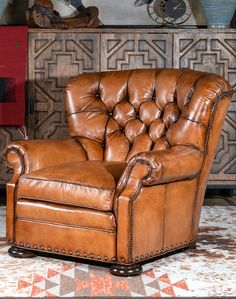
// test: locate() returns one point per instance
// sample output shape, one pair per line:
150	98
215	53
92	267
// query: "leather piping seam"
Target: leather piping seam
68	204
220	98
209	127
67	182
22	219
131	211
194	121
164	218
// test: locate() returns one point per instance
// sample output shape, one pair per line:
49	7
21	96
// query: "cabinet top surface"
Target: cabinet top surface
117	29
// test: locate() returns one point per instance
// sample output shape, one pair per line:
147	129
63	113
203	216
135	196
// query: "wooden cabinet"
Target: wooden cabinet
56	55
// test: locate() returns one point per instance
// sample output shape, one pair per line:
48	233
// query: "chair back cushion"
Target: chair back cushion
115	115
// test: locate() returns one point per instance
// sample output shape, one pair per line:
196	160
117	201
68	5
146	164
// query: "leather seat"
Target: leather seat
88	184
129	183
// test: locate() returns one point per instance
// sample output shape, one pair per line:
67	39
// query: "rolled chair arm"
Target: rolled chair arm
30	155
158	167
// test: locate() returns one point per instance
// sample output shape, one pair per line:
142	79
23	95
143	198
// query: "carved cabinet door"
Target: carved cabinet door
214	51
54	57
135	49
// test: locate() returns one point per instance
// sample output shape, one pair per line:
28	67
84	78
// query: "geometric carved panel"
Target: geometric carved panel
122	51
215	52
54	57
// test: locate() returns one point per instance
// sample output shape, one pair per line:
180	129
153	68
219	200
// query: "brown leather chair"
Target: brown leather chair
129	184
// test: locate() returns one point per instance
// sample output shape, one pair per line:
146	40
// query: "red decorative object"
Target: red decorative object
13	57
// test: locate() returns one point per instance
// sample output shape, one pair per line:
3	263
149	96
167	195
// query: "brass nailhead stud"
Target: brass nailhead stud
113	259
56	250
70	252
35	246
105	258
98	257
27	245
42	247
147	255
77	253
122	259
49	248
21	244
85	254
63	251
142	257
136	258
91	255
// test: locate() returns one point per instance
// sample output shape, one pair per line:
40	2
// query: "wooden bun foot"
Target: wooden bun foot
122	270
20	253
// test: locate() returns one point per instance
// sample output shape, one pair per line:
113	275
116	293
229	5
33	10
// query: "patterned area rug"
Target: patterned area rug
209	270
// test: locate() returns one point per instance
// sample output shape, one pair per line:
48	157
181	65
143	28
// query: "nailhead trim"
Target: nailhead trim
64	252
162	251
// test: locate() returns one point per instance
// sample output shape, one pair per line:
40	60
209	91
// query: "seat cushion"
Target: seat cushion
89	184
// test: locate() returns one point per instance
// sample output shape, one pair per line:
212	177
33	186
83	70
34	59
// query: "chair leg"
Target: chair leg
122	270
20	253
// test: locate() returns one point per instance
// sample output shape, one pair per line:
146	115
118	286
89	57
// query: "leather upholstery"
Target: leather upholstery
129	185
83	184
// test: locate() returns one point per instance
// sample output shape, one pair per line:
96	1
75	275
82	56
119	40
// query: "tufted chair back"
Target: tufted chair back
115	115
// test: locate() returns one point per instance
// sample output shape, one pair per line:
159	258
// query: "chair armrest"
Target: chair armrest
158	167
134	205
30	155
